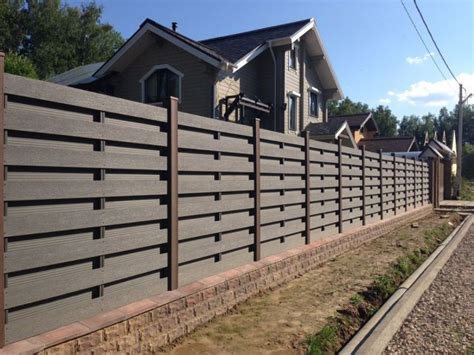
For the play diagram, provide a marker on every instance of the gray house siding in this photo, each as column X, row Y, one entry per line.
column 197, row 83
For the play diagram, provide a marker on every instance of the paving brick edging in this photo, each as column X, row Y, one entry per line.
column 157, row 321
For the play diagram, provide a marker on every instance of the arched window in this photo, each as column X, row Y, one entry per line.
column 161, row 82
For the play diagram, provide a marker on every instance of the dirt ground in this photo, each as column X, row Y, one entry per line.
column 278, row 321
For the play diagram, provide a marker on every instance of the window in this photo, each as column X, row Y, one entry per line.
column 313, row 104
column 160, row 83
column 293, row 57
column 292, row 112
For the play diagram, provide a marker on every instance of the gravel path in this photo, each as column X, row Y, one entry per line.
column 443, row 319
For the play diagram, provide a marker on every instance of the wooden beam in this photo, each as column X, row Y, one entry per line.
column 257, row 195
column 2, row 206
column 173, row 193
column 307, row 189
column 316, row 59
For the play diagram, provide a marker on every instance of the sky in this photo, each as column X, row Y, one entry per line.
column 374, row 49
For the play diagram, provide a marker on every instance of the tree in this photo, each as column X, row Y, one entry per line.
column 57, row 37
column 386, row 121
column 20, row 65
column 346, row 107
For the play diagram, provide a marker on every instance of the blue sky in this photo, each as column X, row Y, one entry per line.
column 373, row 47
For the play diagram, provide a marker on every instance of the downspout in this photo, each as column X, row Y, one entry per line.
column 274, row 85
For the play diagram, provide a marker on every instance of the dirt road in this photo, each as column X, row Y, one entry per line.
column 277, row 322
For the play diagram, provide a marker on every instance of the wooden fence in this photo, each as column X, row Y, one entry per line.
column 107, row 201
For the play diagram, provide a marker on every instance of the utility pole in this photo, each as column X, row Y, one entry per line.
column 457, row 191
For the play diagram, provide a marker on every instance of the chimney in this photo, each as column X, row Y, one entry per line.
column 174, row 26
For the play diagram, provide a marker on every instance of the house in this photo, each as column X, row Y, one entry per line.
column 390, row 144
column 280, row 74
column 362, row 125
column 331, row 132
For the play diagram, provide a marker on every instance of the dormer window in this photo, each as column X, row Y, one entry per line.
column 161, row 82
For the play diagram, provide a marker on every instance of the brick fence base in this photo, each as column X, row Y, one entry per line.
column 147, row 325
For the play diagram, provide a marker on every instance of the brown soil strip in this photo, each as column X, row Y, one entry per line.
column 277, row 322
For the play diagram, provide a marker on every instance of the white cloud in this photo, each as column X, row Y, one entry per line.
column 419, row 60
column 385, row 101
column 434, row 94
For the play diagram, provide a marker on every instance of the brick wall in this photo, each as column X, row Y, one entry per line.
column 147, row 325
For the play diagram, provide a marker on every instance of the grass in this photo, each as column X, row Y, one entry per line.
column 363, row 305
column 467, row 190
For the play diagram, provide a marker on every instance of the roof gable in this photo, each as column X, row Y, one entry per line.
column 389, row 144
column 357, row 120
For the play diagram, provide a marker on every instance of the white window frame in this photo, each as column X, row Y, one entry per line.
column 317, row 92
column 151, row 71
column 295, row 95
column 295, row 48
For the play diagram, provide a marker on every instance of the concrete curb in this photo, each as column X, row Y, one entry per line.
column 375, row 335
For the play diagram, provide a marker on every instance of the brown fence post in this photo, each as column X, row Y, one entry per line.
column 339, row 164
column 363, row 187
column 2, row 244
column 381, row 183
column 307, row 189
column 256, row 167
column 394, row 184
column 173, row 193
column 414, row 183
column 406, row 184
column 422, row 183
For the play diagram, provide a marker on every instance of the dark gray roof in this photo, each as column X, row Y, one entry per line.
column 357, row 120
column 323, row 128
column 389, row 144
column 233, row 47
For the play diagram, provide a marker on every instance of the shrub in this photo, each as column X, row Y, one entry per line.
column 20, row 65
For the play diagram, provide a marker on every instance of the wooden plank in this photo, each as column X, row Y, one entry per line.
column 282, row 184
column 64, row 95
column 66, row 158
column 42, row 123
column 207, row 124
column 197, row 228
column 196, row 209
column 191, row 140
column 45, row 190
column 281, row 169
column 195, row 187
column 275, row 152
column 270, row 216
column 197, row 164
column 381, row 183
column 267, row 135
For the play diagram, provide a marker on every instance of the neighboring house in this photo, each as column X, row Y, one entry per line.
column 390, row 145
column 281, row 74
column 362, row 125
column 331, row 132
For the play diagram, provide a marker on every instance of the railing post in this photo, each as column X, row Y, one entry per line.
column 364, row 219
column 307, row 189
column 394, row 184
column 173, row 193
column 2, row 206
column 381, row 183
column 339, row 164
column 256, row 167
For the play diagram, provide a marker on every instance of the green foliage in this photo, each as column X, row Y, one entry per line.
column 20, row 65
column 386, row 121
column 468, row 161
column 56, row 37
column 467, row 190
column 322, row 341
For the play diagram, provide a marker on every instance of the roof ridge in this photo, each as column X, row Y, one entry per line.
column 387, row 138
column 253, row 31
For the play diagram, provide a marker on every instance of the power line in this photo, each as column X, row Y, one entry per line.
column 423, row 41
column 436, row 45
